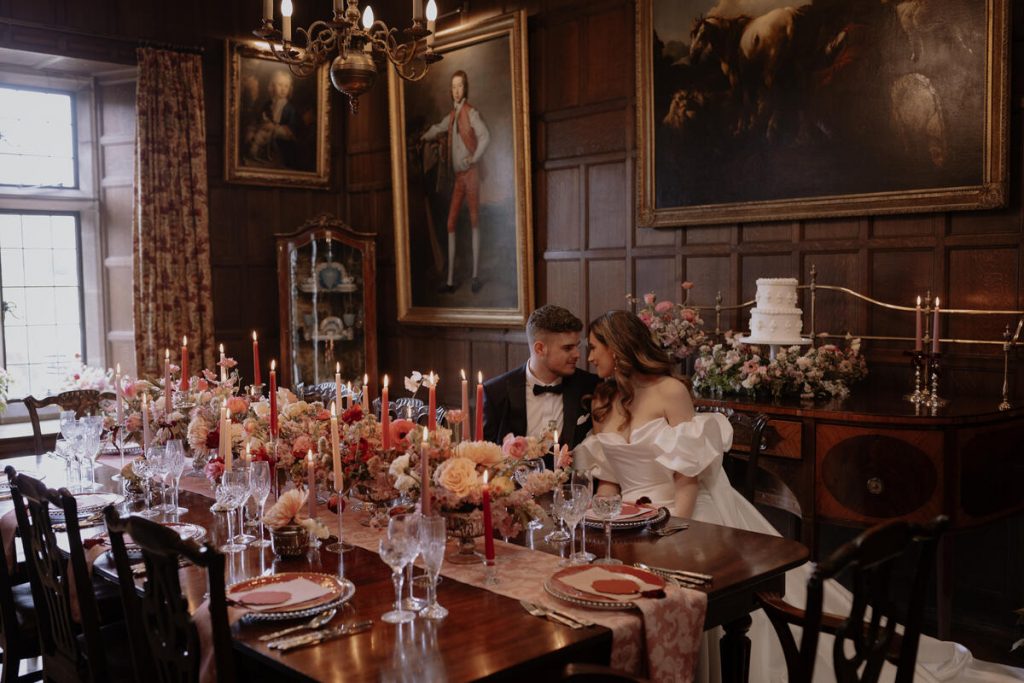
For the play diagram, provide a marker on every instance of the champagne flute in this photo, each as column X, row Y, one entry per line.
column 260, row 479
column 606, row 507
column 433, row 538
column 577, row 499
column 233, row 485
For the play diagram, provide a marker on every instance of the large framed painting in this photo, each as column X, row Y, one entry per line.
column 460, row 154
column 758, row 110
column 276, row 130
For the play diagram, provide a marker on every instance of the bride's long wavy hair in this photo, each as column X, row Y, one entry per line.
column 635, row 353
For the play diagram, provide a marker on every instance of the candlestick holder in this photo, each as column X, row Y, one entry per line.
column 917, row 360
column 256, row 391
column 340, row 546
column 934, row 371
column 490, row 573
column 1007, row 345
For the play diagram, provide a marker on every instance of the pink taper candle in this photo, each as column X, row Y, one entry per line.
column 366, row 394
column 432, row 403
column 273, row 399
column 479, row 434
column 183, row 385
column 145, row 423
column 257, row 377
column 311, row 497
column 336, row 450
column 935, row 328
column 465, row 406
column 425, row 474
column 167, row 380
column 119, row 393
column 337, row 386
column 385, row 416
column 917, row 325
column 488, row 523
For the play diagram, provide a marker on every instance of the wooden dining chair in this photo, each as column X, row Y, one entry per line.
column 82, row 401
column 73, row 649
column 871, row 560
column 18, row 631
column 163, row 636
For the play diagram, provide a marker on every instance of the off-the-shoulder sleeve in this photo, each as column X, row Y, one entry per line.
column 689, row 447
column 590, row 455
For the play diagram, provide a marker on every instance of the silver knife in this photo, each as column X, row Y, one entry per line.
column 317, row 637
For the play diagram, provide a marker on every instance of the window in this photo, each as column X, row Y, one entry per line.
column 40, row 287
column 37, row 138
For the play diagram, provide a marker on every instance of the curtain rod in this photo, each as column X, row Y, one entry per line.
column 137, row 42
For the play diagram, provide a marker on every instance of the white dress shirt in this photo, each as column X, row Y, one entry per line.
column 544, row 411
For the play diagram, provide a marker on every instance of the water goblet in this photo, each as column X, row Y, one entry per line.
column 175, row 451
column 410, row 527
column 398, row 551
column 141, row 467
column 577, row 499
column 259, row 478
column 433, row 539
column 522, row 474
column 606, row 506
column 584, row 478
column 234, row 487
column 245, row 475
column 558, row 504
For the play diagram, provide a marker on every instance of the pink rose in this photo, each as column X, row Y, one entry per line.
column 302, row 445
column 688, row 315
column 649, row 298
column 564, row 459
column 236, row 405
column 687, row 285
column 663, row 306
column 645, row 317
column 130, row 390
column 214, row 469
column 515, row 447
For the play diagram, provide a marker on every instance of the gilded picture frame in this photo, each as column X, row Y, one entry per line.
column 461, row 180
column 759, row 111
column 276, row 128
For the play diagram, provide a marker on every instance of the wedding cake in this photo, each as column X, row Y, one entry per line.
column 775, row 319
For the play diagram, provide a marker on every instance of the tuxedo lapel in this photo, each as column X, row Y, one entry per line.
column 517, row 403
column 571, row 397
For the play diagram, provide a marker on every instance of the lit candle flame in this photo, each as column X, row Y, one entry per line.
column 918, row 301
column 385, row 381
column 487, row 475
column 431, row 11
column 167, row 354
column 479, row 377
column 222, row 349
column 309, row 457
column 366, row 380
column 337, row 368
column 273, row 365
column 254, row 335
column 368, row 17
column 463, row 373
column 936, row 302
column 184, row 341
column 118, row 369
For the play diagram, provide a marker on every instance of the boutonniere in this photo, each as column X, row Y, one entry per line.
column 582, row 419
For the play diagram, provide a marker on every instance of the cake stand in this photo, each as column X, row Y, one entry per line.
column 772, row 344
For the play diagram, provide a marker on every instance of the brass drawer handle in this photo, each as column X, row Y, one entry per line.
column 875, row 486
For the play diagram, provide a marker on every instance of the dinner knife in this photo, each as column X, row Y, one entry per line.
column 316, row 637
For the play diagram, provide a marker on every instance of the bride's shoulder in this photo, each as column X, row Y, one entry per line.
column 670, row 388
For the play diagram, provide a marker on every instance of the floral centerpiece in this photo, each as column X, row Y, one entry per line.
column 677, row 328
column 290, row 524
column 820, row 372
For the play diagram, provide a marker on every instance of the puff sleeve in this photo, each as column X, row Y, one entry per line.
column 590, row 455
column 690, row 447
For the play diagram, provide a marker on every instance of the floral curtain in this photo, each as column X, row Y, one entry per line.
column 171, row 236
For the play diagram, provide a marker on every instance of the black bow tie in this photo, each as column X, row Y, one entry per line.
column 539, row 389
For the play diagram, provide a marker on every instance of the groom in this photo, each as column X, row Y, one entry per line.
column 547, row 392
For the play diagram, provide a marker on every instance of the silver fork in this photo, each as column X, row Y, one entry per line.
column 669, row 530
column 538, row 611
column 314, row 623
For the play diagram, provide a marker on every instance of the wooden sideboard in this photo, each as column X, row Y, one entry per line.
column 875, row 457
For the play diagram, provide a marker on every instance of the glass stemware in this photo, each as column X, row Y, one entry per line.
column 175, row 452
column 606, row 507
column 141, row 468
column 584, row 478
column 259, row 478
column 229, row 496
column 522, row 474
column 245, row 476
column 433, row 538
column 397, row 549
column 558, row 505
column 576, row 499
column 411, row 521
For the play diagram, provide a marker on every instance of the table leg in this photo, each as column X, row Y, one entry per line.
column 944, row 584
column 735, row 651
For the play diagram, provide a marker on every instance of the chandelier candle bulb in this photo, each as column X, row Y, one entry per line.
column 167, row 380
column 336, row 452
column 268, row 10
column 478, row 433
column 273, row 399
column 432, row 403
column 184, row 364
column 425, row 474
column 385, row 416
column 311, row 492
column 145, row 423
column 119, row 394
column 286, row 20
column 465, row 406
column 368, row 17
column 223, row 368
column 256, row 378
column 488, row 523
column 366, row 394
column 431, row 21
column 935, row 327
column 917, row 325
column 337, row 386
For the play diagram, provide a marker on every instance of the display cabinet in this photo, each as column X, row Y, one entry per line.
column 326, row 275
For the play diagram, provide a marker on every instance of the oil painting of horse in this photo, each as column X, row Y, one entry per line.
column 754, row 110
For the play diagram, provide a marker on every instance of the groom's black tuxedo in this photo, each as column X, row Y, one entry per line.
column 505, row 405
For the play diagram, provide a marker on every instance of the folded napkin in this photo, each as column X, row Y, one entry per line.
column 629, row 511
column 591, row 579
column 301, row 590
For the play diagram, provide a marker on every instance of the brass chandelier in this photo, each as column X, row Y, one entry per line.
column 354, row 43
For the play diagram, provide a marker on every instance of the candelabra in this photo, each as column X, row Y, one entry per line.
column 360, row 43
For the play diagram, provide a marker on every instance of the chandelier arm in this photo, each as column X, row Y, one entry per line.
column 383, row 39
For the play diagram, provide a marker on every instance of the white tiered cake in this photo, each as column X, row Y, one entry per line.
column 775, row 319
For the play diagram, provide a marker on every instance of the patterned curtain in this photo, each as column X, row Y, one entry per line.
column 171, row 235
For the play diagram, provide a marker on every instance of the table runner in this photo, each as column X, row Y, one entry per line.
column 664, row 644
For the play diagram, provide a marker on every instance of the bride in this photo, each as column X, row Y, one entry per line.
column 648, row 441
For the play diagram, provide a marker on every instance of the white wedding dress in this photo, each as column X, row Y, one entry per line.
column 645, row 465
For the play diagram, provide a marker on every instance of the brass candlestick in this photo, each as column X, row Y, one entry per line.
column 917, row 359
column 934, row 401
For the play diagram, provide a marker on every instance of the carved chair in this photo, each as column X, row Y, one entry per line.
column 18, row 633
column 164, row 638
column 409, row 408
column 72, row 649
column 325, row 392
column 82, row 401
column 870, row 559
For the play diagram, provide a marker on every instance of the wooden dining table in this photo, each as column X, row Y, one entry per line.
column 486, row 636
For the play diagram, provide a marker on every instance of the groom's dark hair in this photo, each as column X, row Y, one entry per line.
column 551, row 318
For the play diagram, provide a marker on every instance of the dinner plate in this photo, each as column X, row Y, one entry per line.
column 188, row 532
column 340, row 591
column 560, row 585
column 130, row 448
column 5, row 484
column 88, row 504
column 651, row 516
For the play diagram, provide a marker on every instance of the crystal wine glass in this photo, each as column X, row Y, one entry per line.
column 233, row 485
column 577, row 499
column 584, row 478
column 259, row 478
column 141, row 467
column 245, row 474
column 433, row 539
column 606, row 506
column 175, row 452
column 398, row 549
column 558, row 505
column 410, row 522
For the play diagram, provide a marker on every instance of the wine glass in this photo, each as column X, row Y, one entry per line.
column 245, row 474
column 433, row 538
column 584, row 478
column 606, row 506
column 159, row 468
column 259, row 478
column 141, row 467
column 410, row 522
column 175, row 452
column 398, row 549
column 522, row 474
column 233, row 487
column 558, row 504
column 577, row 499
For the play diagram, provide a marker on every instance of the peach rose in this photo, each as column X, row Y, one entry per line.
column 289, row 509
column 502, row 486
column 515, row 447
column 237, row 404
column 458, row 476
column 480, row 452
